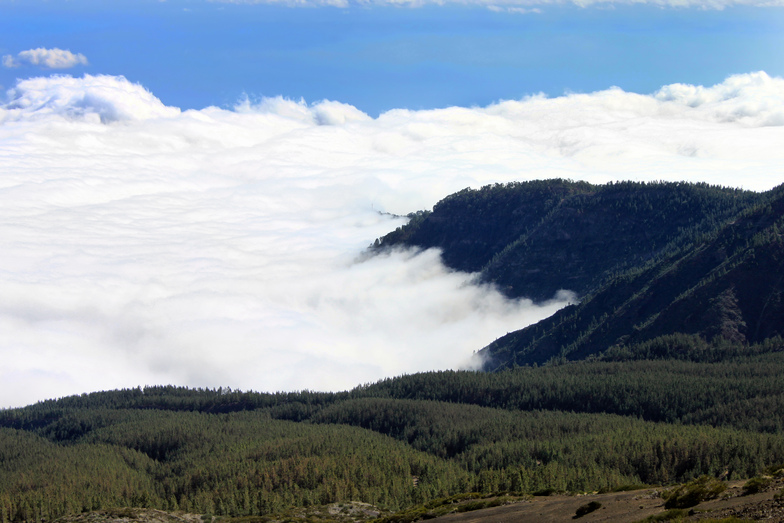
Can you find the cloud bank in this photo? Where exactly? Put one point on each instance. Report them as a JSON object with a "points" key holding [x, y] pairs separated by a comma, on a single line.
{"points": [[46, 58], [143, 244], [92, 98]]}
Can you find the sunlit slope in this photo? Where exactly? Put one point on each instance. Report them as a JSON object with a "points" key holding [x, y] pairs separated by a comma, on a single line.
{"points": [[394, 444]]}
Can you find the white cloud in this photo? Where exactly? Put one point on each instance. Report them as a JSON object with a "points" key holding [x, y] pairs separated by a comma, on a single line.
{"points": [[143, 244], [517, 6], [515, 10], [325, 112], [751, 99], [107, 98], [47, 58]]}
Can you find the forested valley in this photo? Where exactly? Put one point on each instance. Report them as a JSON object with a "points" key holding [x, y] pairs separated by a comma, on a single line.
{"points": [[579, 426], [670, 367]]}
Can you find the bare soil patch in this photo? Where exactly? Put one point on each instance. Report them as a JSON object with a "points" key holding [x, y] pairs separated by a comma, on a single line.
{"points": [[629, 507]]}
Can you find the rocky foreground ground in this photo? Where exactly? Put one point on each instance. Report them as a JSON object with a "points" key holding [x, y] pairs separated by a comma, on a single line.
{"points": [[634, 506], [642, 505]]}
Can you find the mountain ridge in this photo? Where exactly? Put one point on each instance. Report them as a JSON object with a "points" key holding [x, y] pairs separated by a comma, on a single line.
{"points": [[728, 287], [533, 238], [646, 260]]}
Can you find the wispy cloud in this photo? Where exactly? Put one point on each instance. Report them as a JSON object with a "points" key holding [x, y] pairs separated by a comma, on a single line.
{"points": [[46, 58], [143, 244], [516, 6], [515, 10]]}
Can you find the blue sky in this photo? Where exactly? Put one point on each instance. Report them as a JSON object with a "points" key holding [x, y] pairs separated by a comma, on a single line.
{"points": [[193, 54]]}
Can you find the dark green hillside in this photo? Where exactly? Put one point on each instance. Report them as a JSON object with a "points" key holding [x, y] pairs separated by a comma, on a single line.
{"points": [[533, 450], [473, 226], [533, 238], [741, 392], [726, 287], [242, 463], [579, 426]]}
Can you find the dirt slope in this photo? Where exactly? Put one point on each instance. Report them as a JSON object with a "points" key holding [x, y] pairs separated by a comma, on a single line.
{"points": [[627, 507]]}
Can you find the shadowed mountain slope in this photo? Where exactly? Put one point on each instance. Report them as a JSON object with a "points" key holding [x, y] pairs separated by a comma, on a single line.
{"points": [[534, 238], [726, 287], [700, 264]]}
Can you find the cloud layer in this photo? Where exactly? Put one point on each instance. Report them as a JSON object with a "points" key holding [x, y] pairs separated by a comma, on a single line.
{"points": [[46, 58], [143, 244]]}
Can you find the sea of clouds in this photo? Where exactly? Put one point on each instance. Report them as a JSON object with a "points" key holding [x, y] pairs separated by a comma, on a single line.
{"points": [[142, 244]]}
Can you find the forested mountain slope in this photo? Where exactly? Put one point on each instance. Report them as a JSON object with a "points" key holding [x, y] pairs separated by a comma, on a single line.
{"points": [[533, 238], [725, 287], [576, 427], [699, 265], [579, 426]]}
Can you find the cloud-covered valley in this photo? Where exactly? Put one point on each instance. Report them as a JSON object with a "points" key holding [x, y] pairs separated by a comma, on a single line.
{"points": [[143, 244]]}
